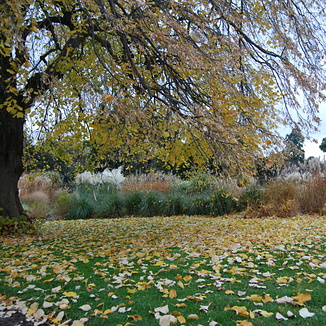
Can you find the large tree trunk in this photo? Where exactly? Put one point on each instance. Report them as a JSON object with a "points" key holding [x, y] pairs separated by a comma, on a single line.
{"points": [[11, 166]]}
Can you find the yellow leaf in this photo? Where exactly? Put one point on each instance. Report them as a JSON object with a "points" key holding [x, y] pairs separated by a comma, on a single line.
{"points": [[302, 297], [173, 293], [266, 314], [256, 297], [107, 311], [244, 323], [181, 319], [19, 115], [31, 311], [229, 292], [181, 305], [70, 294], [187, 278], [240, 310], [181, 284], [282, 280], [34, 29], [267, 298]]}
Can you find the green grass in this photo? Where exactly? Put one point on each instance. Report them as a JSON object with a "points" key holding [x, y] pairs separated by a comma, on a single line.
{"points": [[194, 265]]}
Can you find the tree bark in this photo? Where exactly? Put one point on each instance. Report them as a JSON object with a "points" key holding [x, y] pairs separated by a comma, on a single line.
{"points": [[11, 165]]}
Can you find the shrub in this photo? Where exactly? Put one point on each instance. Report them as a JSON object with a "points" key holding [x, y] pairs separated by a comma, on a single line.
{"points": [[251, 196], [37, 204], [312, 195], [174, 204], [152, 204], [200, 204], [279, 197], [223, 203], [200, 183], [133, 202], [81, 208], [62, 202], [109, 205]]}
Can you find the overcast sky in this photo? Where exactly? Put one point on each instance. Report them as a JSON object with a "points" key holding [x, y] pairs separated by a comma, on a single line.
{"points": [[312, 149]]}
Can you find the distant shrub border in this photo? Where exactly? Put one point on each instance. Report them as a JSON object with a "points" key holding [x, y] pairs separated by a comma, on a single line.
{"points": [[110, 195]]}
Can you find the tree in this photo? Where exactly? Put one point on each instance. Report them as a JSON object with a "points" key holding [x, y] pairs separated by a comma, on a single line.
{"points": [[322, 146], [171, 79], [295, 152]]}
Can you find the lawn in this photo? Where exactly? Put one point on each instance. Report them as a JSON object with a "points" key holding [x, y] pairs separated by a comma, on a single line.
{"points": [[186, 270]]}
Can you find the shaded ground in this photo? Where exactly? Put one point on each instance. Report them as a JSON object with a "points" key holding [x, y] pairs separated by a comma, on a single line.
{"points": [[15, 320]]}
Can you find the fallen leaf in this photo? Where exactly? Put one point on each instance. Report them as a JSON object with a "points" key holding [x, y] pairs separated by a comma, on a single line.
{"points": [[304, 313], [267, 298], [136, 317], [278, 316], [85, 307], [167, 320], [173, 294], [290, 314], [56, 289], [70, 294], [284, 299], [240, 310], [181, 319], [162, 310], [213, 323], [193, 316], [244, 323], [302, 297]]}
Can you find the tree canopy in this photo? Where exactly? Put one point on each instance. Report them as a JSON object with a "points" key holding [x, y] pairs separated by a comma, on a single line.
{"points": [[207, 80]]}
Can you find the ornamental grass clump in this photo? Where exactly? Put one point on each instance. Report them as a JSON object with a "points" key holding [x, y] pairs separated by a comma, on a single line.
{"points": [[157, 182], [175, 204], [47, 182], [111, 205], [312, 194], [278, 198], [62, 202], [36, 191], [37, 205], [152, 204], [82, 208]]}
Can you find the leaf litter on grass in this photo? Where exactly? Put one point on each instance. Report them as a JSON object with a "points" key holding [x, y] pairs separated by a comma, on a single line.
{"points": [[185, 270]]}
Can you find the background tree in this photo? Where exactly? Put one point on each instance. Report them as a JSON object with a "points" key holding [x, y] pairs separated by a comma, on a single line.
{"points": [[322, 146], [294, 146], [198, 79]]}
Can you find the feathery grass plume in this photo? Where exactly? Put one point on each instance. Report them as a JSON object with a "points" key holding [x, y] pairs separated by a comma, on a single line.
{"points": [[114, 176], [157, 181]]}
